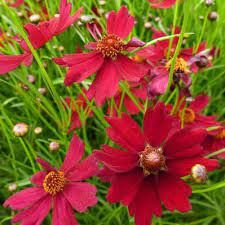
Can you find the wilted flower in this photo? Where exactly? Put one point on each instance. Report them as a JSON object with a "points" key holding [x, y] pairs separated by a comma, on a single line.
{"points": [[58, 189]]}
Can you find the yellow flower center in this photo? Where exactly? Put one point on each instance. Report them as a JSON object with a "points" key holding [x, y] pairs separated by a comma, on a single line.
{"points": [[180, 65], [110, 46], [54, 182], [188, 116]]}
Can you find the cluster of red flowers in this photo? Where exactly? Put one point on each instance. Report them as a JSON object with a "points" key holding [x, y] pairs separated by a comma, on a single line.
{"points": [[147, 166]]}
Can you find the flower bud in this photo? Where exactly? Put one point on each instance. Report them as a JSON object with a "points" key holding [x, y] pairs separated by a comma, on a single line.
{"points": [[20, 129], [148, 25], [38, 130], [202, 62], [12, 187], [31, 79], [35, 18], [42, 90], [209, 2], [213, 16], [199, 173], [54, 146]]}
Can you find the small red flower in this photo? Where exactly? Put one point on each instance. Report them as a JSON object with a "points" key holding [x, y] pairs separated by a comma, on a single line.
{"points": [[148, 169], [62, 190], [162, 4], [192, 115], [80, 105], [138, 90], [107, 58], [16, 3], [215, 140], [39, 35]]}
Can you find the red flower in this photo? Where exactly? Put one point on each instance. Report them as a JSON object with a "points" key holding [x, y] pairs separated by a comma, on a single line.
{"points": [[138, 90], [162, 3], [16, 4], [80, 105], [39, 35], [61, 190], [214, 141], [192, 115], [148, 170], [106, 59], [186, 62]]}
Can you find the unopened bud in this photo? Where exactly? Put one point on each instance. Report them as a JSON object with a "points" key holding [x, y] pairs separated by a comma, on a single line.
{"points": [[31, 79], [213, 16], [199, 173], [38, 130], [35, 18], [12, 187], [42, 90], [20, 129], [54, 146]]}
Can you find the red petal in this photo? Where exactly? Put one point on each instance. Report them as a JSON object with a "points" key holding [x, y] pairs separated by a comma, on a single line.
{"points": [[105, 84], [10, 62], [80, 70], [62, 211], [130, 70], [84, 170], [120, 23], [25, 198], [174, 193], [126, 133], [162, 4], [157, 124], [35, 214], [184, 140], [80, 195], [74, 153], [117, 160], [38, 178], [182, 167], [45, 165], [199, 103], [146, 203], [125, 186]]}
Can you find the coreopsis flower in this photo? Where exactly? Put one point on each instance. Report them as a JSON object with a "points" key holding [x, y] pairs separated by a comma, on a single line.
{"points": [[39, 35], [138, 90], [81, 104], [61, 190], [215, 140], [191, 115], [146, 170], [157, 57], [162, 4], [106, 59]]}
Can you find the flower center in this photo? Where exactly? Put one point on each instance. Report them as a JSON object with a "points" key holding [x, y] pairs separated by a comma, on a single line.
{"points": [[188, 116], [180, 65], [54, 182], [221, 134], [152, 160], [110, 46]]}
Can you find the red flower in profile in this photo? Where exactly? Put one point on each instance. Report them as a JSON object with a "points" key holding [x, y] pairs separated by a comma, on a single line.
{"points": [[39, 35], [62, 190], [214, 141], [148, 169], [162, 4], [78, 104], [138, 90], [106, 59], [192, 115]]}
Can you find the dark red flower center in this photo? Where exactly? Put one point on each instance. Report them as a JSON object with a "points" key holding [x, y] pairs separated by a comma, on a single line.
{"points": [[54, 182], [188, 115], [110, 46], [152, 160]]}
